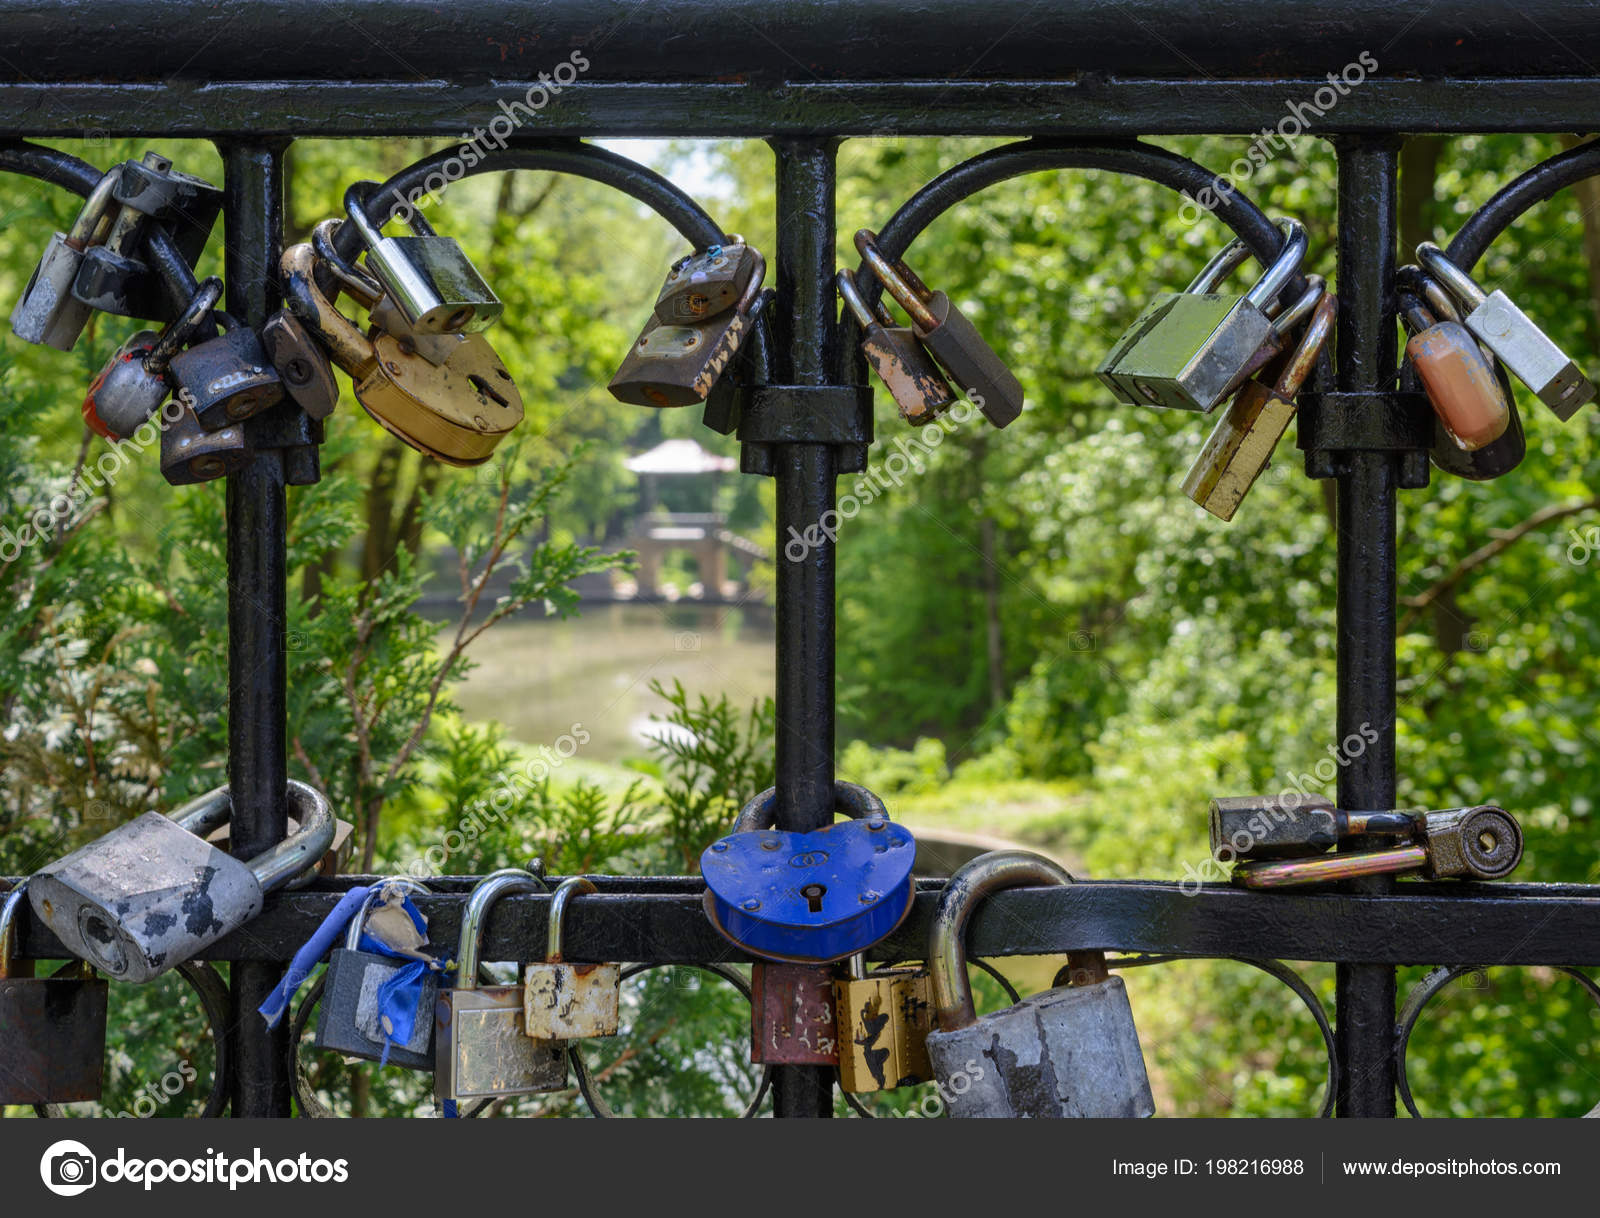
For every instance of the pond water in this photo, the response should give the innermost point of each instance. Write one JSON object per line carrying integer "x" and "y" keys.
{"x": 540, "y": 677}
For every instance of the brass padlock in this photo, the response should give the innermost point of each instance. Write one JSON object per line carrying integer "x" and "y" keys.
{"x": 480, "y": 1042}
{"x": 1241, "y": 445}
{"x": 564, "y": 1001}
{"x": 679, "y": 365}
{"x": 975, "y": 368}
{"x": 884, "y": 1021}
{"x": 705, "y": 283}
{"x": 898, "y": 357}
{"x": 430, "y": 277}
{"x": 457, "y": 412}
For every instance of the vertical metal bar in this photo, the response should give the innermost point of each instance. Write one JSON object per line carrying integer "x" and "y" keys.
{"x": 1367, "y": 484}
{"x": 258, "y": 768}
{"x": 805, "y": 331}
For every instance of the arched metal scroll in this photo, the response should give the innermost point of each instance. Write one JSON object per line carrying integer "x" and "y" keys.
{"x": 580, "y": 1068}
{"x": 1520, "y": 196}
{"x": 573, "y": 157}
{"x": 1280, "y": 971}
{"x": 1238, "y": 213}
{"x": 215, "y": 1001}
{"x": 1428, "y": 989}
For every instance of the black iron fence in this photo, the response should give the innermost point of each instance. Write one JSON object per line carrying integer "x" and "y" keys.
{"x": 1079, "y": 83}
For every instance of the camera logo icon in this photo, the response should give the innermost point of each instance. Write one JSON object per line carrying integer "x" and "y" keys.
{"x": 68, "y": 1168}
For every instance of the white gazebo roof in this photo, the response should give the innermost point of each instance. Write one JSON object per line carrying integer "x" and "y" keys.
{"x": 679, "y": 457}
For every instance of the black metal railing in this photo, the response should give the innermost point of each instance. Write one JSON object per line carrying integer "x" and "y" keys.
{"x": 1081, "y": 82}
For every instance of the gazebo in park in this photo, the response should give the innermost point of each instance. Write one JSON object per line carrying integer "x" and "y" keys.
{"x": 657, "y": 530}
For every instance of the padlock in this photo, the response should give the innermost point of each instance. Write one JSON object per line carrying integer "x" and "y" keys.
{"x": 429, "y": 277}
{"x": 975, "y": 369}
{"x": 336, "y": 274}
{"x": 335, "y": 860}
{"x": 563, "y": 1001}
{"x": 48, "y": 312}
{"x": 54, "y": 1027}
{"x": 135, "y": 381}
{"x": 679, "y": 365}
{"x": 113, "y": 278}
{"x": 1497, "y": 457}
{"x": 1241, "y": 445}
{"x": 457, "y": 412}
{"x": 1072, "y": 1051}
{"x": 349, "y": 1020}
{"x": 1477, "y": 843}
{"x": 301, "y": 364}
{"x": 793, "y": 1021}
{"x": 191, "y": 454}
{"x": 153, "y": 893}
{"x": 1201, "y": 347}
{"x": 1292, "y": 825}
{"x": 1511, "y": 334}
{"x": 884, "y": 1021}
{"x": 1223, "y": 263}
{"x": 481, "y": 1046}
{"x": 898, "y": 357}
{"x": 810, "y": 897}
{"x": 1460, "y": 381}
{"x": 702, "y": 284}
{"x": 229, "y": 378}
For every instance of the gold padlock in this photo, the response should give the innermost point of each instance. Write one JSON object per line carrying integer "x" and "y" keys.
{"x": 884, "y": 1021}
{"x": 562, "y": 1001}
{"x": 1242, "y": 443}
{"x": 457, "y": 411}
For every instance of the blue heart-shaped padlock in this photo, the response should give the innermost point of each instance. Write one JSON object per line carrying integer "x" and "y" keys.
{"x": 811, "y": 897}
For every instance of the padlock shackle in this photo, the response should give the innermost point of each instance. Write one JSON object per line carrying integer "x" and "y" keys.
{"x": 347, "y": 346}
{"x": 490, "y": 889}
{"x": 93, "y": 211}
{"x": 355, "y": 204}
{"x": 1285, "y": 266}
{"x": 854, "y": 800}
{"x": 1462, "y": 285}
{"x": 947, "y": 938}
{"x": 183, "y": 329}
{"x": 8, "y": 927}
{"x": 1301, "y": 308}
{"x": 408, "y": 885}
{"x": 908, "y": 290}
{"x": 204, "y": 813}
{"x": 565, "y": 892}
{"x": 354, "y": 279}
{"x": 303, "y": 849}
{"x": 851, "y": 295}
{"x": 1223, "y": 263}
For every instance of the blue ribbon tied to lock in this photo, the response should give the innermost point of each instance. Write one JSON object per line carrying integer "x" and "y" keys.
{"x": 810, "y": 897}
{"x": 397, "y": 997}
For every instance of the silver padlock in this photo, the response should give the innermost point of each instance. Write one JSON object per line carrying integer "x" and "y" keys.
{"x": 48, "y": 312}
{"x": 153, "y": 893}
{"x": 135, "y": 380}
{"x": 563, "y": 1001}
{"x": 430, "y": 277}
{"x": 349, "y": 1021}
{"x": 1511, "y": 334}
{"x": 1072, "y": 1051}
{"x": 481, "y": 1046}
{"x": 1203, "y": 344}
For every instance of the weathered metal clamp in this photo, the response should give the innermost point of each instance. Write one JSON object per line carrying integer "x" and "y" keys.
{"x": 1333, "y": 424}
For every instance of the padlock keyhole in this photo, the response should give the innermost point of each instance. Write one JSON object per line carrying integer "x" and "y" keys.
{"x": 813, "y": 893}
